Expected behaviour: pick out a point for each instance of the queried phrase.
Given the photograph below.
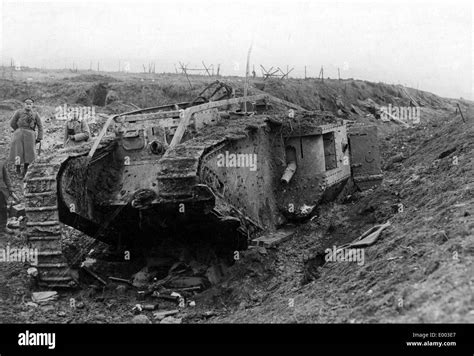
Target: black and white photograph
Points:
(298, 163)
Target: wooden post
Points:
(339, 73)
(183, 67)
(305, 72)
(98, 66)
(246, 84)
(460, 111)
(205, 68)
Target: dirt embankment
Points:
(421, 270)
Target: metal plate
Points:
(365, 156)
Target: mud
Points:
(419, 271)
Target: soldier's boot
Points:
(25, 170)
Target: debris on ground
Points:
(160, 315)
(171, 320)
(369, 237)
(141, 319)
(414, 263)
(44, 297)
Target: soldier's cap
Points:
(28, 99)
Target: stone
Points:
(121, 289)
(171, 320)
(140, 279)
(163, 314)
(141, 319)
(43, 297)
(32, 271)
(47, 308)
(111, 97)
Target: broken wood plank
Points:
(396, 119)
(273, 239)
(121, 280)
(96, 276)
(460, 111)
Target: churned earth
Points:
(420, 270)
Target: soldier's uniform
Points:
(22, 149)
(76, 132)
(5, 191)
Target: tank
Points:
(236, 168)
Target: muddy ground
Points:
(420, 270)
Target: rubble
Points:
(121, 289)
(150, 307)
(44, 297)
(137, 309)
(140, 319)
(163, 314)
(14, 222)
(95, 275)
(369, 237)
(32, 271)
(171, 320)
(196, 269)
(187, 282)
(141, 278)
(17, 210)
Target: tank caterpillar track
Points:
(43, 228)
(197, 167)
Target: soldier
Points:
(5, 193)
(76, 130)
(25, 122)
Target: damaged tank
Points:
(234, 168)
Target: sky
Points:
(422, 44)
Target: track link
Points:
(43, 228)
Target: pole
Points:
(460, 111)
(246, 85)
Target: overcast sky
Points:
(421, 44)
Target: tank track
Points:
(192, 158)
(43, 228)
